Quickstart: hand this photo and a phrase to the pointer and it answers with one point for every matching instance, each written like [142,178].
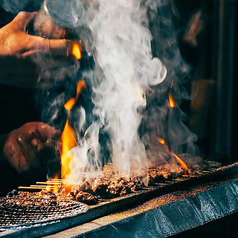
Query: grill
[25,212]
[65,218]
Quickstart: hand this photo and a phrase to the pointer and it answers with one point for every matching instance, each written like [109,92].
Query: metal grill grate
[18,212]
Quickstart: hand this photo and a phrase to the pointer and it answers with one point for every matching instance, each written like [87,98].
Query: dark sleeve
[9,9]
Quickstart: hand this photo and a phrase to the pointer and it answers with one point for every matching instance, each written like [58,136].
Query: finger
[52,143]
[26,133]
[47,132]
[23,144]
[35,134]
[23,19]
[65,47]
[28,153]
[57,47]
[56,144]
[37,145]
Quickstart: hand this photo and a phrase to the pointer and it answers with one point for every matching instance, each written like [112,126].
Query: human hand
[31,147]
[25,57]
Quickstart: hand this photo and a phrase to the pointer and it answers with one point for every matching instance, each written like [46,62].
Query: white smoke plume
[126,71]
[133,44]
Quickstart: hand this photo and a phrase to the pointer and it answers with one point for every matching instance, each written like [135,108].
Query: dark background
[213,60]
[18,106]
[213,111]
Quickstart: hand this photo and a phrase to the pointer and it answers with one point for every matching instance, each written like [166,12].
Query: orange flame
[68,142]
[68,136]
[182,163]
[51,186]
[171,101]
[161,141]
[56,188]
[76,50]
[80,86]
[69,105]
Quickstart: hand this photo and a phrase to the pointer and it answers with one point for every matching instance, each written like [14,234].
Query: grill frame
[21,212]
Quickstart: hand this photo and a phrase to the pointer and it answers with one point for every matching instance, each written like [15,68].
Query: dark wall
[234,138]
[17,106]
[214,58]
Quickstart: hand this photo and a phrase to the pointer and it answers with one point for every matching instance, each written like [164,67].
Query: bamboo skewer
[34,187]
[49,183]
[43,186]
[40,187]
[25,187]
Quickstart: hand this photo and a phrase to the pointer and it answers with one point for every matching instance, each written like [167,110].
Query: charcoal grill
[16,213]
[217,190]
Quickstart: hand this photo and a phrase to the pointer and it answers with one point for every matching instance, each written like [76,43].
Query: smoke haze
[137,63]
